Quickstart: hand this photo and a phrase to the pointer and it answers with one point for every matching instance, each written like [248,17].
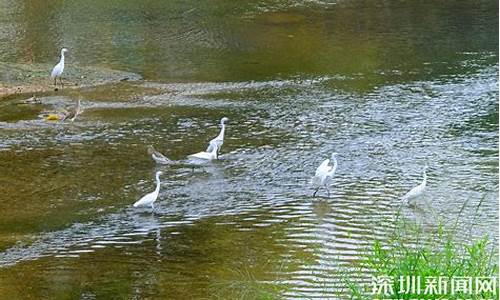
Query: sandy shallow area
[35,78]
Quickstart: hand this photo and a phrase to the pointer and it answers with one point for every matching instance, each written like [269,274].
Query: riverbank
[35,78]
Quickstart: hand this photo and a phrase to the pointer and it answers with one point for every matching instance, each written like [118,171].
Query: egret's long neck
[334,165]
[157,189]
[425,177]
[214,149]
[222,130]
[62,57]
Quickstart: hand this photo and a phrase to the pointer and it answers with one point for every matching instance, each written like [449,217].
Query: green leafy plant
[435,256]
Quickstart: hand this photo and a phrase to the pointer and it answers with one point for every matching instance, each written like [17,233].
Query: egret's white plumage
[416,191]
[158,157]
[149,199]
[207,156]
[59,68]
[218,140]
[324,174]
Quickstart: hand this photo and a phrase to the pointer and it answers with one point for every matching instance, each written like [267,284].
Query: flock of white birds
[211,153]
[322,178]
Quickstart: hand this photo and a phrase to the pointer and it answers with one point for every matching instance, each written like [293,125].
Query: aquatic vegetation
[437,257]
[389,84]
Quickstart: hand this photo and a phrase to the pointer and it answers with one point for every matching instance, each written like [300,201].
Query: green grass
[411,250]
[414,252]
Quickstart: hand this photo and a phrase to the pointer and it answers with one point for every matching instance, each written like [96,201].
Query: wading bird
[66,115]
[417,191]
[324,174]
[206,156]
[149,199]
[32,100]
[58,69]
[73,114]
[218,140]
[158,157]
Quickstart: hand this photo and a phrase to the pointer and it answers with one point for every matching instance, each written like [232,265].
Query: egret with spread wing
[324,174]
[205,155]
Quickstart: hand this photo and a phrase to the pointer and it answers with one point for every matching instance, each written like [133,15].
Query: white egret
[149,199]
[218,140]
[207,156]
[416,191]
[58,69]
[324,174]
[158,157]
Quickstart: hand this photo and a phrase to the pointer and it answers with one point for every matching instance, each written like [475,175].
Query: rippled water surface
[391,86]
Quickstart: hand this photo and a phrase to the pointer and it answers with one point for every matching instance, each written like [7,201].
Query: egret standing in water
[218,140]
[149,199]
[206,156]
[158,157]
[324,174]
[417,191]
[58,69]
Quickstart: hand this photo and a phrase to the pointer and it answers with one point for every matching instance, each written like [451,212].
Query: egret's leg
[55,81]
[314,195]
[62,84]
[328,192]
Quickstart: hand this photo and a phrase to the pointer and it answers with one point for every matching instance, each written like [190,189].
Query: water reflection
[255,189]
[366,79]
[221,41]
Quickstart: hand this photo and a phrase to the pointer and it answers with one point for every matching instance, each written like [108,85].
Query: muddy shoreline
[32,79]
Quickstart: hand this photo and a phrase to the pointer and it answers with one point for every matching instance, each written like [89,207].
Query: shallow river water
[391,86]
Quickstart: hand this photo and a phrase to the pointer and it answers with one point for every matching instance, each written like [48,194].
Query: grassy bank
[420,265]
[412,251]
